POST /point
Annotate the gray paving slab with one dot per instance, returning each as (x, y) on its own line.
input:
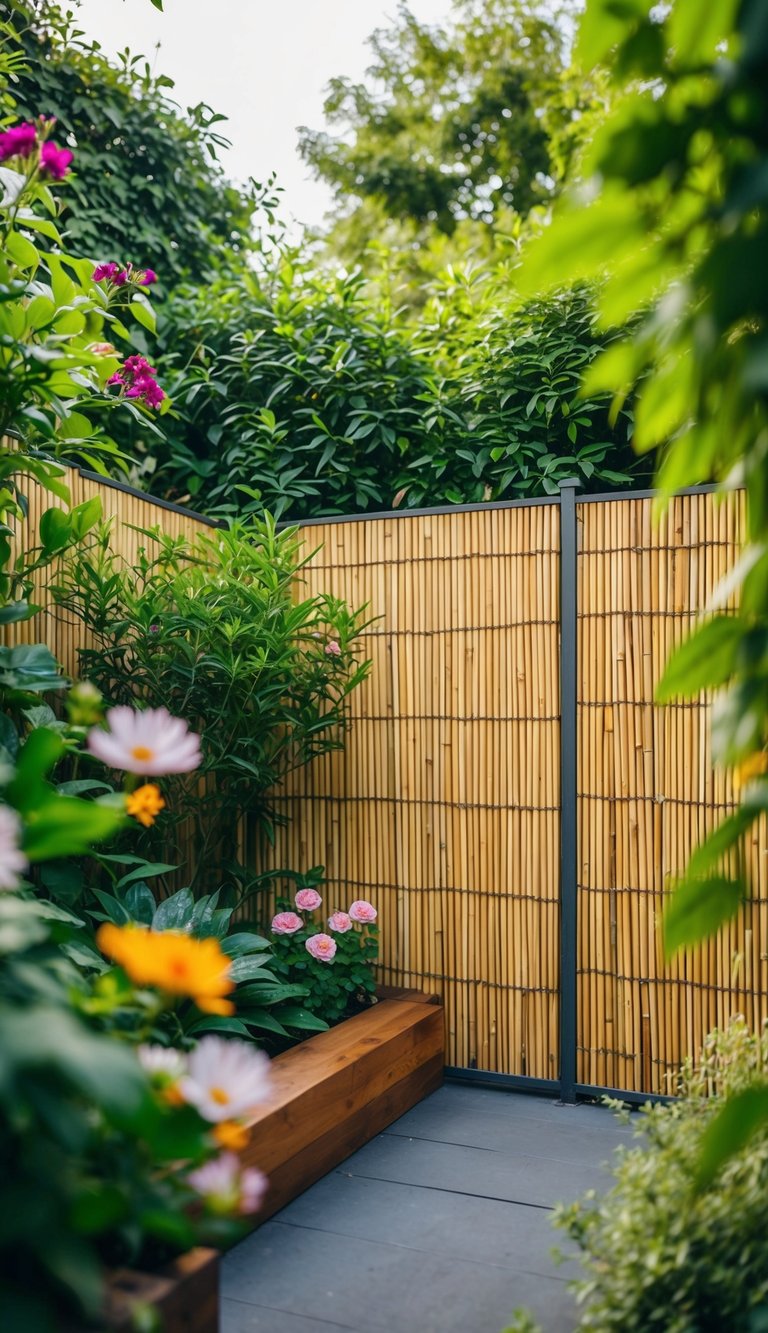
(442, 1223)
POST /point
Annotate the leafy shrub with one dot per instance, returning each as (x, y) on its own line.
(660, 1254)
(309, 392)
(213, 628)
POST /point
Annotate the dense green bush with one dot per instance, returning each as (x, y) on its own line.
(148, 184)
(661, 1256)
(309, 392)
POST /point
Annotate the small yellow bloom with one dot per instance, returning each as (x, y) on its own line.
(173, 962)
(752, 767)
(230, 1136)
(145, 804)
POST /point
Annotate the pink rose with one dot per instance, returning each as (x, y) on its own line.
(286, 923)
(321, 947)
(363, 912)
(341, 922)
(307, 900)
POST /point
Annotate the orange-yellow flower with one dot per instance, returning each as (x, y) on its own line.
(173, 962)
(231, 1136)
(145, 803)
(752, 767)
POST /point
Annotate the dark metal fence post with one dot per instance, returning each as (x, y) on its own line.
(568, 814)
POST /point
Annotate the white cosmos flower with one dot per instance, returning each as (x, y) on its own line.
(13, 862)
(225, 1080)
(151, 743)
(162, 1060)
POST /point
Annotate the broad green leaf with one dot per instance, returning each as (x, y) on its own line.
(743, 1115)
(705, 660)
(175, 913)
(65, 826)
(55, 529)
(697, 908)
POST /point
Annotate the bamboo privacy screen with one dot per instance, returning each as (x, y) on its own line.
(444, 808)
(648, 793)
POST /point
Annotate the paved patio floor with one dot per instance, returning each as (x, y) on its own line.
(439, 1225)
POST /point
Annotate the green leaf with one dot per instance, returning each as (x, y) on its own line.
(143, 313)
(55, 529)
(705, 660)
(176, 912)
(213, 1023)
(140, 903)
(244, 942)
(36, 758)
(725, 836)
(65, 826)
(294, 1017)
(742, 1116)
(697, 908)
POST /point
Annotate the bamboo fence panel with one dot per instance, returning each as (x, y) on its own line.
(648, 793)
(127, 510)
(444, 808)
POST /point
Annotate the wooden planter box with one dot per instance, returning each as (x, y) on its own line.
(330, 1095)
(185, 1295)
(339, 1089)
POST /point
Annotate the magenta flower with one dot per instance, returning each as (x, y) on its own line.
(321, 947)
(54, 161)
(362, 912)
(146, 277)
(227, 1187)
(307, 900)
(136, 377)
(333, 649)
(151, 743)
(286, 923)
(108, 271)
(18, 141)
(341, 922)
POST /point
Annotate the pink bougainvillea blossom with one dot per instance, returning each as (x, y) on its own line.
(54, 161)
(227, 1187)
(321, 947)
(333, 649)
(225, 1080)
(18, 141)
(286, 923)
(340, 922)
(136, 378)
(13, 862)
(363, 912)
(308, 900)
(151, 743)
(106, 272)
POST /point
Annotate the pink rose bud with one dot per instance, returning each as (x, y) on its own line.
(333, 649)
(362, 912)
(341, 922)
(321, 947)
(286, 923)
(307, 900)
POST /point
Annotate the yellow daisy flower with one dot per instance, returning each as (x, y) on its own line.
(173, 962)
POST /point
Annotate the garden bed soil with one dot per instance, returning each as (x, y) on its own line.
(335, 1091)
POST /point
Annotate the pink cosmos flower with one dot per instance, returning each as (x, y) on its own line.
(54, 161)
(321, 947)
(362, 912)
(332, 648)
(150, 743)
(286, 923)
(225, 1079)
(307, 900)
(341, 922)
(13, 862)
(226, 1187)
(18, 141)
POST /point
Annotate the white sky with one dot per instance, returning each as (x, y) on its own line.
(262, 63)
